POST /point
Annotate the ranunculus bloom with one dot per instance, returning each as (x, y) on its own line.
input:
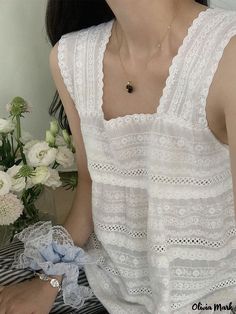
(17, 185)
(5, 183)
(28, 145)
(41, 154)
(29, 183)
(6, 126)
(54, 180)
(41, 175)
(25, 137)
(64, 156)
(60, 141)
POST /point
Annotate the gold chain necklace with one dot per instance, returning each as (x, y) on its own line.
(129, 86)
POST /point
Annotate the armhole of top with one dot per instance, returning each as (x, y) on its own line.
(228, 33)
(65, 64)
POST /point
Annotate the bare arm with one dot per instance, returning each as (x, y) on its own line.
(31, 294)
(79, 220)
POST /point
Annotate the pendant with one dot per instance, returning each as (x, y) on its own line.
(129, 87)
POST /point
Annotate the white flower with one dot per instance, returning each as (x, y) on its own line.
(10, 209)
(29, 183)
(6, 126)
(25, 137)
(64, 157)
(17, 185)
(41, 154)
(54, 180)
(28, 145)
(5, 183)
(60, 141)
(41, 175)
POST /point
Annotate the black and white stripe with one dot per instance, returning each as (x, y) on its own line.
(9, 275)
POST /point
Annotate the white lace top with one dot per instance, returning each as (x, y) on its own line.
(162, 196)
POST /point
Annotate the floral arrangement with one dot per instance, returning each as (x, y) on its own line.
(27, 165)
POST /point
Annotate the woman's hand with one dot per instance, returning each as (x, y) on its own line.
(29, 297)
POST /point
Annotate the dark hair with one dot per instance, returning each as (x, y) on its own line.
(65, 16)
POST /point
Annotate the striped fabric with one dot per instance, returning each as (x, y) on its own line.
(10, 276)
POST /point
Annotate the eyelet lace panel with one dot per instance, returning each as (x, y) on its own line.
(161, 178)
(202, 248)
(162, 186)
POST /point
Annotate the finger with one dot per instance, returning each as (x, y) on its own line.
(1, 288)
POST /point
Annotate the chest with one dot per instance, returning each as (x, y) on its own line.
(149, 85)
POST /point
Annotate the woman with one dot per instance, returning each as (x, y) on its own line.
(150, 100)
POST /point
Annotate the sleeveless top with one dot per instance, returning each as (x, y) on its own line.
(162, 191)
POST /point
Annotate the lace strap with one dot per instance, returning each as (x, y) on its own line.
(89, 56)
(66, 58)
(216, 37)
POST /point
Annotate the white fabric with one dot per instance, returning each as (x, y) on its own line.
(162, 196)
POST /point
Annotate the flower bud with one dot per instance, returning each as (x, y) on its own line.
(54, 128)
(18, 106)
(50, 138)
(66, 137)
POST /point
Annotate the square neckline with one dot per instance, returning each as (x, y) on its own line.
(166, 90)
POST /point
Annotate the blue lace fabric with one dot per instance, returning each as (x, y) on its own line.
(52, 250)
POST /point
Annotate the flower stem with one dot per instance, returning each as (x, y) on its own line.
(12, 146)
(4, 145)
(18, 135)
(18, 128)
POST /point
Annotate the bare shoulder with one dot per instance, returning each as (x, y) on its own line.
(71, 114)
(53, 58)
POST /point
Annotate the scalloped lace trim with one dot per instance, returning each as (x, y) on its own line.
(52, 249)
(170, 81)
(63, 65)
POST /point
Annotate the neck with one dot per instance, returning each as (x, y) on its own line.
(142, 24)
